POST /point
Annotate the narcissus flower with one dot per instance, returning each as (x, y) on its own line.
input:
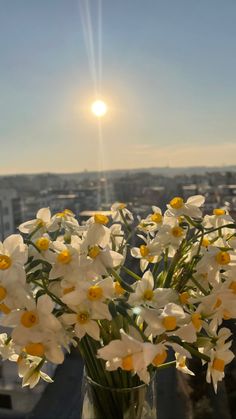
(120, 213)
(126, 353)
(13, 256)
(191, 207)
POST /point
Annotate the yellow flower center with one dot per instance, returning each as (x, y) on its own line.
(68, 290)
(68, 212)
(42, 243)
(182, 363)
(95, 293)
(156, 218)
(3, 293)
(64, 213)
(227, 315)
(101, 219)
(177, 202)
(144, 251)
(83, 317)
(219, 211)
(148, 295)
(4, 308)
(218, 364)
(35, 349)
(197, 321)
(60, 214)
(127, 363)
(218, 303)
(29, 319)
(184, 296)
(159, 358)
(233, 286)
(177, 231)
(169, 322)
(5, 262)
(205, 242)
(119, 290)
(223, 258)
(93, 252)
(64, 257)
(122, 206)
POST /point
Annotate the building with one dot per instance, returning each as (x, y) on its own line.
(10, 212)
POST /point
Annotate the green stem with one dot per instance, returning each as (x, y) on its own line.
(131, 273)
(166, 365)
(124, 284)
(124, 220)
(174, 262)
(195, 352)
(198, 285)
(40, 225)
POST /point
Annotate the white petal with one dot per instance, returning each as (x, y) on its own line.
(12, 242)
(44, 214)
(196, 200)
(69, 318)
(92, 329)
(45, 304)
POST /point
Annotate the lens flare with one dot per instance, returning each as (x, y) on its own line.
(99, 108)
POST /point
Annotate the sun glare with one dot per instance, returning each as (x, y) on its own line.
(99, 108)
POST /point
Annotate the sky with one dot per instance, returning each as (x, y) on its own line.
(166, 69)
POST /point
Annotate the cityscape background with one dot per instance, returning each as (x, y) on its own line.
(166, 71)
(23, 195)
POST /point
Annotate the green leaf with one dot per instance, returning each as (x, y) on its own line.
(112, 309)
(39, 294)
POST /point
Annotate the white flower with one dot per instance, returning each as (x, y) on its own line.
(126, 353)
(147, 295)
(218, 359)
(8, 350)
(94, 295)
(40, 224)
(65, 258)
(13, 296)
(191, 207)
(219, 305)
(83, 321)
(181, 364)
(98, 260)
(118, 209)
(98, 233)
(152, 222)
(166, 320)
(43, 244)
(31, 373)
(219, 218)
(170, 235)
(35, 323)
(64, 220)
(13, 256)
(217, 259)
(149, 252)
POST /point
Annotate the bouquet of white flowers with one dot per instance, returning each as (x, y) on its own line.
(64, 283)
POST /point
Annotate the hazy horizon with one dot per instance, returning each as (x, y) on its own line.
(165, 69)
(198, 168)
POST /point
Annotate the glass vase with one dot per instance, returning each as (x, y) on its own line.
(100, 402)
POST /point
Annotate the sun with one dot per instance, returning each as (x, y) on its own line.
(99, 108)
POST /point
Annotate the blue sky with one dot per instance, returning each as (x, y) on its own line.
(168, 76)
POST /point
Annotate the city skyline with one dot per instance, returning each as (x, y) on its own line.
(166, 71)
